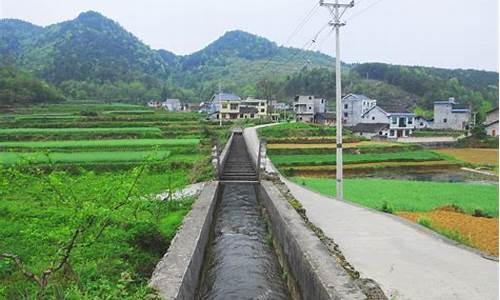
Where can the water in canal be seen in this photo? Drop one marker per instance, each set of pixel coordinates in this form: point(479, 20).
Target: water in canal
point(240, 262)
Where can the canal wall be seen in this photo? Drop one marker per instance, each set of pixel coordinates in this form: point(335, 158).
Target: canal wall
point(315, 272)
point(177, 274)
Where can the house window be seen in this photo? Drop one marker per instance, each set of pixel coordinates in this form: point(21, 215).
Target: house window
point(394, 121)
point(410, 120)
point(407, 133)
point(241, 115)
point(373, 118)
point(345, 115)
point(251, 116)
point(322, 100)
point(391, 133)
point(421, 124)
point(310, 97)
point(224, 106)
point(445, 120)
point(234, 106)
point(262, 104)
point(345, 106)
point(310, 107)
point(380, 133)
point(263, 110)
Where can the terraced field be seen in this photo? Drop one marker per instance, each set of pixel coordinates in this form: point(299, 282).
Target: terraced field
point(92, 171)
point(403, 179)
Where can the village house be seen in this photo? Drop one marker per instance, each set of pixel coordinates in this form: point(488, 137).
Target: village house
point(154, 104)
point(172, 105)
point(491, 122)
point(224, 105)
point(449, 115)
point(327, 118)
point(260, 104)
point(370, 130)
point(354, 106)
point(400, 124)
point(248, 112)
point(308, 107)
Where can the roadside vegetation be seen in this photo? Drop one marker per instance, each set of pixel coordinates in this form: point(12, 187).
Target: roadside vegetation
point(403, 179)
point(79, 212)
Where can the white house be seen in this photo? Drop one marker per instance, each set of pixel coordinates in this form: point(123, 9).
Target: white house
point(154, 104)
point(400, 124)
point(307, 107)
point(354, 106)
point(448, 115)
point(172, 105)
point(491, 122)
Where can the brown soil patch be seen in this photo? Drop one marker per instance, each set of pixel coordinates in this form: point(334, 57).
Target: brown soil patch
point(473, 155)
point(481, 232)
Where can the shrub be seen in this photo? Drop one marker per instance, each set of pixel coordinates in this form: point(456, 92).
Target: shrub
point(424, 221)
point(387, 208)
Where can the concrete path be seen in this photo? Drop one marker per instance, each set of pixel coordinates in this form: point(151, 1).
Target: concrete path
point(408, 262)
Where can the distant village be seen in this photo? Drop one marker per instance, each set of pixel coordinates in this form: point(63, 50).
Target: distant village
point(361, 114)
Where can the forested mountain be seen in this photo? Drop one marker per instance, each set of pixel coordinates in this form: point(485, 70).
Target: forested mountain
point(93, 57)
point(21, 88)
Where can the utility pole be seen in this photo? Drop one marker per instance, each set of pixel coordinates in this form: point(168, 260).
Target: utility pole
point(337, 10)
point(220, 107)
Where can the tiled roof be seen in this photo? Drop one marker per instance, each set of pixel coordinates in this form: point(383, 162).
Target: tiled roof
point(226, 97)
point(369, 127)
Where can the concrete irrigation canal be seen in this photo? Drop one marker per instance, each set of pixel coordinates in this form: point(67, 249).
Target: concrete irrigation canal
point(243, 240)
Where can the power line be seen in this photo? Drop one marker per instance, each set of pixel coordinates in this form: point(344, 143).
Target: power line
point(363, 10)
point(297, 29)
point(302, 23)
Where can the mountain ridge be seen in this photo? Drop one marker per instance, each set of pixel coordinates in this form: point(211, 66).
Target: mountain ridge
point(94, 57)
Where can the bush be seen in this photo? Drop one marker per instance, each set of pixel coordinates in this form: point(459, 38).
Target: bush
point(424, 221)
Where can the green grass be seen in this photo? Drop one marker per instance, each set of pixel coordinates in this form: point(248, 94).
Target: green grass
point(329, 159)
point(402, 195)
point(98, 144)
point(9, 158)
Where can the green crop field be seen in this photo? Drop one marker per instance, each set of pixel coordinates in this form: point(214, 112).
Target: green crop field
point(9, 158)
point(329, 159)
point(98, 144)
point(76, 131)
point(87, 174)
point(403, 195)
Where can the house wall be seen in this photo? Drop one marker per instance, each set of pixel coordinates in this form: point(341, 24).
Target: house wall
point(375, 116)
point(491, 117)
point(444, 118)
point(492, 130)
point(355, 108)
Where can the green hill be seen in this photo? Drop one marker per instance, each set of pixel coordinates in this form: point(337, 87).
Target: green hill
point(93, 57)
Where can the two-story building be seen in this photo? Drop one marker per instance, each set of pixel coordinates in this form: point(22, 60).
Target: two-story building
point(354, 106)
point(225, 106)
point(400, 124)
point(449, 115)
point(260, 104)
point(491, 122)
point(308, 107)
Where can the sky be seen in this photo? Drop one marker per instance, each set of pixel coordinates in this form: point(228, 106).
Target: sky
point(439, 33)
